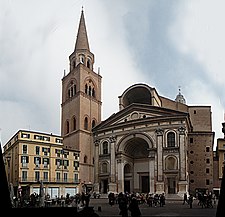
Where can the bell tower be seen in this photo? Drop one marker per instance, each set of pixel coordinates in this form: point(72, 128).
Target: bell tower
point(81, 103)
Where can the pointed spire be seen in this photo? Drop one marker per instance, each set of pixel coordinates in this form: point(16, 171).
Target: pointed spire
point(82, 39)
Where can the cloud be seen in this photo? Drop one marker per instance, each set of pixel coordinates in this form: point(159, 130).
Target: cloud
point(165, 44)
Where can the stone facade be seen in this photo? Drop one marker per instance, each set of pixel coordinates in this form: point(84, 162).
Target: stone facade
point(149, 145)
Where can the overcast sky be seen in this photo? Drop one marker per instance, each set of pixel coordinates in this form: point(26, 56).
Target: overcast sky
point(165, 44)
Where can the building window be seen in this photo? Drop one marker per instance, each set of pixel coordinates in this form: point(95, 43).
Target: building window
point(105, 147)
point(171, 139)
point(86, 123)
point(24, 149)
point(58, 176)
point(191, 140)
point(195, 111)
point(86, 89)
point(76, 165)
point(74, 123)
point(192, 181)
point(37, 176)
point(207, 182)
point(24, 175)
point(24, 161)
point(37, 148)
point(37, 161)
point(207, 161)
point(45, 176)
point(85, 159)
point(67, 127)
point(58, 163)
point(191, 161)
point(25, 135)
point(58, 140)
point(207, 149)
point(207, 170)
point(65, 177)
point(65, 163)
point(76, 179)
point(93, 124)
point(45, 161)
point(192, 172)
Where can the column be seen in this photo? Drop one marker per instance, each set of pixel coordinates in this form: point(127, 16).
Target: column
point(159, 142)
point(112, 159)
point(182, 153)
point(96, 166)
point(183, 184)
point(112, 184)
point(120, 176)
point(152, 171)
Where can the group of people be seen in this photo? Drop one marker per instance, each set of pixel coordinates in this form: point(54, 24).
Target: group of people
point(132, 205)
point(204, 199)
point(130, 202)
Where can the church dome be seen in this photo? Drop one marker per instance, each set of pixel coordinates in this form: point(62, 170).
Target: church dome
point(180, 98)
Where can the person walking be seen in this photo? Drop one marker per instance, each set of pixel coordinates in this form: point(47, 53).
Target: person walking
point(190, 199)
point(134, 208)
point(122, 201)
point(185, 200)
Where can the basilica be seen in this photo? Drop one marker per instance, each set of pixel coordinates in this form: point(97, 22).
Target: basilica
point(152, 144)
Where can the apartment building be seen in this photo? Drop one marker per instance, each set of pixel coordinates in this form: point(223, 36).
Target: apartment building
point(31, 157)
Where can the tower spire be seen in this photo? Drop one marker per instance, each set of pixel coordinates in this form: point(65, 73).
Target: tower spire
point(82, 39)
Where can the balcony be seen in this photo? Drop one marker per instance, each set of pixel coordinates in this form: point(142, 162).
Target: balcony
point(32, 180)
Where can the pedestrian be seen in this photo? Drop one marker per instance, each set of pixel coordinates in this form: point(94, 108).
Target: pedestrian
point(190, 199)
point(162, 200)
point(122, 201)
point(185, 199)
point(134, 208)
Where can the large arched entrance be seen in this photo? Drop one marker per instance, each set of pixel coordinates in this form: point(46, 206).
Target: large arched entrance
point(136, 169)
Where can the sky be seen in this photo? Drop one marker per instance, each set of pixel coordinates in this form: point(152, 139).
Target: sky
point(165, 44)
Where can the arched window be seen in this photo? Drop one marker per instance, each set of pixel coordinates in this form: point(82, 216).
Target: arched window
point(72, 89)
point(82, 59)
point(74, 64)
point(89, 90)
point(86, 123)
point(86, 88)
point(171, 139)
point(104, 168)
point(105, 148)
point(93, 92)
point(85, 159)
point(171, 163)
point(67, 127)
point(89, 63)
point(74, 123)
point(93, 124)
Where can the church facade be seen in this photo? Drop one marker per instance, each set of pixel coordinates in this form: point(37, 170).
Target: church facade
point(152, 144)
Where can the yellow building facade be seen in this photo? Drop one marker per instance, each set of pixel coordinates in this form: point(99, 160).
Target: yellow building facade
point(31, 157)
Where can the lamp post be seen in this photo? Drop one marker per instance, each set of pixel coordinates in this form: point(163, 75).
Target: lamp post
point(8, 158)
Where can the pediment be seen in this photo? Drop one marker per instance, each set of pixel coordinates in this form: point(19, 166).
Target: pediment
point(136, 113)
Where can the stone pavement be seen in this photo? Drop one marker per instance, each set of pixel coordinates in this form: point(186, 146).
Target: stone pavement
point(172, 208)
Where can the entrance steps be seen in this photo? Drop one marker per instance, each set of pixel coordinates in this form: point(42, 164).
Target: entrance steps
point(174, 197)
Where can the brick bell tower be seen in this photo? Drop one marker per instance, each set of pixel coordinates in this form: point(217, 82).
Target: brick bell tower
point(81, 104)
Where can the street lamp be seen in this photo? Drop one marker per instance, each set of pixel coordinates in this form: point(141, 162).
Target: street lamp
point(8, 158)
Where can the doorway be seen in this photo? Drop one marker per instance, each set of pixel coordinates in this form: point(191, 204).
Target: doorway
point(127, 186)
point(171, 183)
point(145, 188)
